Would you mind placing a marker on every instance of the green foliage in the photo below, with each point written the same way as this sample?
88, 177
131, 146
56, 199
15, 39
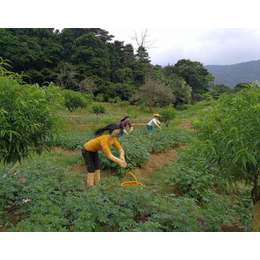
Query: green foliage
98, 109
139, 144
54, 95
142, 107
28, 119
222, 88
73, 100
212, 94
88, 97
184, 107
240, 86
194, 177
194, 74
99, 98
181, 90
111, 100
168, 114
57, 203
117, 99
124, 75
229, 134
154, 93
124, 103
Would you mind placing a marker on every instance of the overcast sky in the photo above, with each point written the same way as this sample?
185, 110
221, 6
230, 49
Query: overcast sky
209, 46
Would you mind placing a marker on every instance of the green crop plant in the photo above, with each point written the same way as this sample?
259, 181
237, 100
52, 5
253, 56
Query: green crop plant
229, 134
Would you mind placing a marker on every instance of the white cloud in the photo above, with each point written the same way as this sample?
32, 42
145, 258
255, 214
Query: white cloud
210, 46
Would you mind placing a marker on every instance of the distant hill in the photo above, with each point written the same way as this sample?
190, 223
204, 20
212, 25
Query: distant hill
230, 75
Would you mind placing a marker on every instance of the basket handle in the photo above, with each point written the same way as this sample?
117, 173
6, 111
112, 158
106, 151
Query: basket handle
131, 174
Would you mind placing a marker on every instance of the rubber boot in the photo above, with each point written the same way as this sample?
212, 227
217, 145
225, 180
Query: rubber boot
96, 176
90, 179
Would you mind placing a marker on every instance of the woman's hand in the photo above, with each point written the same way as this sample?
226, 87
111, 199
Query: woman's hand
122, 163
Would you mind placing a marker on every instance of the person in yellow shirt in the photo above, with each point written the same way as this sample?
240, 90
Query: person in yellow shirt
102, 142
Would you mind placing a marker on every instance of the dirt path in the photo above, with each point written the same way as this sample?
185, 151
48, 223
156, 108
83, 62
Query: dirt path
159, 160
185, 124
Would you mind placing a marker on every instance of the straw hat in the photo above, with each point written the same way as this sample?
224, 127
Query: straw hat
157, 115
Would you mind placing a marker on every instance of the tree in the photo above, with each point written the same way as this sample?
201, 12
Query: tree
36, 52
142, 55
67, 78
229, 132
240, 86
180, 89
73, 100
168, 114
87, 85
91, 56
195, 75
154, 93
222, 88
98, 109
28, 121
123, 91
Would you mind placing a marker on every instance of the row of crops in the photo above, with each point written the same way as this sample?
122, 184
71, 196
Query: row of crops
137, 146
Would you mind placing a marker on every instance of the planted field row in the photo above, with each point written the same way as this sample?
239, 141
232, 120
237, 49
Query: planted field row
138, 146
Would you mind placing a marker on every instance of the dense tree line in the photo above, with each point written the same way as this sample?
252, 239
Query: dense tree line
88, 60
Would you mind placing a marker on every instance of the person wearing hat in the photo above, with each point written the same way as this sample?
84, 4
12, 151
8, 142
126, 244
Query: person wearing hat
102, 142
153, 122
123, 123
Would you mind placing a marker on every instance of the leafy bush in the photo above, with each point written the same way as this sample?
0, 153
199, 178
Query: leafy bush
168, 114
212, 94
190, 178
98, 109
183, 107
99, 98
123, 103
54, 95
28, 119
142, 107
88, 97
73, 100
230, 139
111, 100
117, 99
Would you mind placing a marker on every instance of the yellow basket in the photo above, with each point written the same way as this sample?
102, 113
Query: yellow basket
131, 183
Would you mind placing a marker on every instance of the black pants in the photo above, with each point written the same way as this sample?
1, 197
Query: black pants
91, 160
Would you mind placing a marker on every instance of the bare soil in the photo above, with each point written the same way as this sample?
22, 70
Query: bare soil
185, 124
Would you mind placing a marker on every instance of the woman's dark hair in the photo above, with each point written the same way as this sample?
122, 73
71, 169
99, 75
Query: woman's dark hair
110, 128
125, 118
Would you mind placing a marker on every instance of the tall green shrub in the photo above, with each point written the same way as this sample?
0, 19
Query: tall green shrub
28, 120
168, 114
230, 138
74, 100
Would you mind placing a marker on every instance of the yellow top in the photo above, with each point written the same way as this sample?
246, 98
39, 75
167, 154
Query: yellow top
102, 143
